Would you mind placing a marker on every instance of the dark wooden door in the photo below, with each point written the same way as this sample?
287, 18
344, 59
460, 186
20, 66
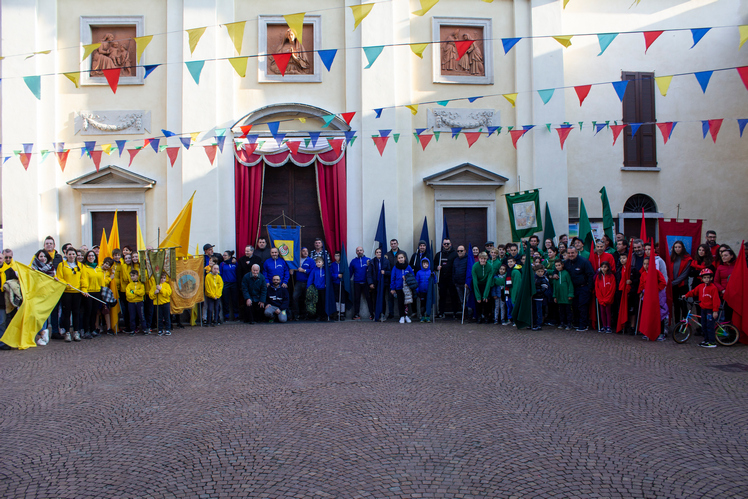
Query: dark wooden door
633, 226
467, 226
292, 189
126, 221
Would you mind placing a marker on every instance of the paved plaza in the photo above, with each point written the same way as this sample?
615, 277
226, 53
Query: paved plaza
373, 410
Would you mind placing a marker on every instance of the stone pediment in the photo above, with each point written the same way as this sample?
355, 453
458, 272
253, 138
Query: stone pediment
112, 177
465, 175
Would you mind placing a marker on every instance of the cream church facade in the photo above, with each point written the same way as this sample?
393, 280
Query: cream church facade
333, 187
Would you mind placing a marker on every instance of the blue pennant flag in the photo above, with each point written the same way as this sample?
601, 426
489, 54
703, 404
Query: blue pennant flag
492, 129
456, 131
120, 146
473, 99
546, 94
195, 68
445, 229
288, 241
186, 142
149, 69
252, 138
419, 131
154, 144
273, 127
527, 127
167, 133
705, 127
620, 88
509, 43
379, 112
598, 127
425, 237
349, 135
605, 39
741, 123
59, 147
27, 148
671, 130
327, 57
279, 138
88, 147
703, 78
698, 34
634, 128
220, 140
384, 133
314, 136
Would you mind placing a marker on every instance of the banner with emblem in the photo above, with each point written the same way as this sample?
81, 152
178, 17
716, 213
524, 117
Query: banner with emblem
187, 286
524, 213
288, 241
158, 261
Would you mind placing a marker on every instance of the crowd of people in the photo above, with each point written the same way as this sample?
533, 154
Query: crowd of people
572, 287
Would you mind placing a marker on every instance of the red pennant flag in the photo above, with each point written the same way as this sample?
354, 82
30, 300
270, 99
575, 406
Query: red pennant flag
133, 153
736, 295
146, 142
582, 92
293, 146
96, 157
714, 126
25, 158
62, 158
172, 152
643, 228
666, 129
462, 47
249, 149
348, 116
563, 133
424, 140
649, 38
336, 144
617, 129
281, 60
743, 72
245, 129
649, 321
471, 137
211, 152
516, 134
112, 77
381, 143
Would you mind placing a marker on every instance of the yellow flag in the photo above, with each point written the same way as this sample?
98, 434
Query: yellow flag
104, 251
360, 12
75, 77
114, 234
194, 135
40, 295
141, 242
303, 120
240, 65
413, 108
663, 83
141, 42
565, 3
179, 232
418, 48
87, 49
426, 6
236, 33
195, 34
512, 98
743, 30
564, 40
197, 249
107, 148
296, 23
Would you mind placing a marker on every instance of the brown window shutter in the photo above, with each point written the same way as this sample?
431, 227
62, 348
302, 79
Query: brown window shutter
638, 107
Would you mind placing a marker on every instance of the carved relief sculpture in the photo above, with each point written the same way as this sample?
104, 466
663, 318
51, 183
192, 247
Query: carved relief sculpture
471, 63
117, 50
282, 40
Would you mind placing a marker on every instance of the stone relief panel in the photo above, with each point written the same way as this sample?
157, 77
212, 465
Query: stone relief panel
117, 50
275, 37
443, 120
112, 122
475, 66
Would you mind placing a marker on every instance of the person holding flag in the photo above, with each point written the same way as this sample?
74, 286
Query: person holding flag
375, 277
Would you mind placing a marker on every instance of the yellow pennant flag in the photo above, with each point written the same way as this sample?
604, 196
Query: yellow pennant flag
296, 23
663, 83
141, 241
236, 33
194, 135
195, 34
178, 233
104, 251
512, 98
743, 30
566, 2
413, 108
360, 12
107, 148
426, 6
303, 120
75, 77
240, 65
87, 49
141, 42
114, 234
488, 1
564, 40
418, 48
40, 295
197, 248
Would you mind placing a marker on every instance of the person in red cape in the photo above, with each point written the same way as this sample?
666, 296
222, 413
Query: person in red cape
652, 314
736, 294
679, 269
599, 255
722, 275
605, 289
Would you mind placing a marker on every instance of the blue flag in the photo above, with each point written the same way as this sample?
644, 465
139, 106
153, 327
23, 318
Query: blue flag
288, 242
345, 270
425, 237
381, 290
381, 235
445, 230
469, 281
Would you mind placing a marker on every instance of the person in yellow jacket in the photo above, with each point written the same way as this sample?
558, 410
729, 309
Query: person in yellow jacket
161, 296
71, 273
105, 277
135, 292
91, 305
124, 280
213, 292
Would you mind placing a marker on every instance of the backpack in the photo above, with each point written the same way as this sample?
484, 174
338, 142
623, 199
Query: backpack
410, 280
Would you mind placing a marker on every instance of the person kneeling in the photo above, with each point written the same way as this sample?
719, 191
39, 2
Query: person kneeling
277, 301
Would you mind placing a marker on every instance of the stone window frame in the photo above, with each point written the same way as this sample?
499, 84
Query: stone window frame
262, 44
488, 58
85, 32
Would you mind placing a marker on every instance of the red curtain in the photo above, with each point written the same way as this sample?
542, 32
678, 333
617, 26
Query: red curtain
248, 182
331, 192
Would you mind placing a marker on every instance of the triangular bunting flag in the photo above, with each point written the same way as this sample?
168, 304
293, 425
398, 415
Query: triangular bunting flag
384, 133
473, 99
548, 126
327, 56
741, 124
563, 133
220, 141
665, 130
379, 113
25, 158
546, 95
75, 77
249, 149
426, 6
107, 148
605, 39
743, 73
154, 144
743, 30
327, 119
703, 78
350, 136
698, 34
663, 83
649, 38
436, 136
240, 65
512, 98
88, 146
620, 88
296, 23
172, 152
149, 69
88, 49
348, 117
455, 132
236, 33
59, 147
211, 152
442, 103
44, 153
396, 136
28, 148
132, 153
617, 129
245, 129
582, 92
185, 142
704, 128
112, 77
96, 157
509, 43
62, 158
195, 68
516, 134
35, 85
634, 128
252, 138
360, 12
167, 133
527, 128
491, 130
381, 143
424, 140
471, 137
278, 138
462, 47
293, 146
413, 109
372, 53
418, 48
419, 131
714, 126
281, 60
273, 127
564, 40
336, 144
194, 35
141, 42
565, 3
314, 136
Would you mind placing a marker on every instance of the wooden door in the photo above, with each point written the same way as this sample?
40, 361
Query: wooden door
632, 227
126, 221
467, 226
292, 189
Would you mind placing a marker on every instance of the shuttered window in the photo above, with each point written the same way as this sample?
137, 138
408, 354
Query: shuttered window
639, 107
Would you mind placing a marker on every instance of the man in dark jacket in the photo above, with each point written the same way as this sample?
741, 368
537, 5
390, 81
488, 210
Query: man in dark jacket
420, 254
378, 266
444, 261
262, 250
254, 291
276, 306
244, 267
357, 270
581, 273
459, 274
392, 257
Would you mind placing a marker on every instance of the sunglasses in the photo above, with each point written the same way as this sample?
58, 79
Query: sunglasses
8, 257
461, 251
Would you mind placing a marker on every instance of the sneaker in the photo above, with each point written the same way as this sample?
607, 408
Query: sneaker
110, 332
706, 344
356, 317
160, 333
76, 336
561, 326
644, 337
495, 323
402, 320
568, 328
582, 329
608, 330
167, 333
147, 332
536, 328
428, 319
661, 337
68, 337
95, 333
407, 319
87, 336
703, 343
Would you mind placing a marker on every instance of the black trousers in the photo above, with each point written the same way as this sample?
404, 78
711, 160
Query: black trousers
321, 314
361, 288
447, 290
254, 312
71, 304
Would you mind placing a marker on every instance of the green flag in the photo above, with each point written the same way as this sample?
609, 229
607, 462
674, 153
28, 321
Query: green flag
549, 232
522, 311
608, 222
585, 229
524, 214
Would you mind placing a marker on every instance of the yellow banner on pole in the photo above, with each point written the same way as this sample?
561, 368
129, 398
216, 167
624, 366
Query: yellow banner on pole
188, 286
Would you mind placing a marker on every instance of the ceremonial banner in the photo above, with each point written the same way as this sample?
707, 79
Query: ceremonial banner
187, 287
524, 213
288, 242
687, 231
157, 262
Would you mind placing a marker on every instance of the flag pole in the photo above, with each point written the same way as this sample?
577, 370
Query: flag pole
340, 299
464, 297
158, 243
73, 287
638, 313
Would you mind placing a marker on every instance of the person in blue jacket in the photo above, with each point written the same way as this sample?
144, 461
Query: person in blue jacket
301, 276
358, 273
275, 266
230, 296
337, 275
422, 277
378, 268
397, 281
317, 279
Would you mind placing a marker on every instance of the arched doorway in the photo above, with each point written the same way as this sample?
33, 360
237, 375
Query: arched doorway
631, 219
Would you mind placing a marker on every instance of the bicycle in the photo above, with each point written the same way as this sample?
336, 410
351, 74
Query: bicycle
725, 333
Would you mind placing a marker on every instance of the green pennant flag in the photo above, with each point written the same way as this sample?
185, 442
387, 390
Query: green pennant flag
522, 311
509, 128
524, 214
608, 222
436, 135
585, 228
549, 232
548, 126
306, 142
416, 136
396, 136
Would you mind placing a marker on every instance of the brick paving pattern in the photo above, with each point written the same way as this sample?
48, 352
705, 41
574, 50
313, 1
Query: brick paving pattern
367, 410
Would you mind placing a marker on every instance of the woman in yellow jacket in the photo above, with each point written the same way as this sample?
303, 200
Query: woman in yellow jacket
213, 292
71, 273
161, 296
92, 304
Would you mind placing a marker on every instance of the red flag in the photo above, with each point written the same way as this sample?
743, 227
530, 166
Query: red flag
381, 143
211, 152
617, 129
112, 77
96, 157
62, 158
25, 157
736, 295
293, 146
348, 116
643, 230
281, 60
424, 139
471, 138
336, 144
563, 133
714, 126
516, 134
462, 47
245, 129
649, 38
623, 307
743, 72
582, 91
666, 129
172, 152
649, 320
249, 149
132, 153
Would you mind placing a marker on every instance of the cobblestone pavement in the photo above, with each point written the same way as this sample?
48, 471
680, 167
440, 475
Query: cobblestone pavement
373, 410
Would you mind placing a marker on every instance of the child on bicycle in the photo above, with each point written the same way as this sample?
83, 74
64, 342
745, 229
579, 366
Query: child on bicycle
708, 296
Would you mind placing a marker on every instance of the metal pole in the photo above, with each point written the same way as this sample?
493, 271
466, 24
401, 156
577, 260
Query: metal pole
340, 299
158, 243
597, 312
464, 298
638, 314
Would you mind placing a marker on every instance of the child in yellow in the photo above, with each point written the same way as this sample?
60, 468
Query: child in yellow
161, 296
213, 292
71, 273
135, 292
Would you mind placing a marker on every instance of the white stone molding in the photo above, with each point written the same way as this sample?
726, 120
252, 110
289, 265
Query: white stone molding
485, 23
262, 61
133, 122
443, 120
86, 22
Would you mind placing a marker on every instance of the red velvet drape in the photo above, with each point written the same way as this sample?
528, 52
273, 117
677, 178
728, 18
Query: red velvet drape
331, 192
248, 183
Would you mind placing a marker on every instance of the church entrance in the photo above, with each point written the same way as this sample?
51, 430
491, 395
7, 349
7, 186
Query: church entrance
467, 226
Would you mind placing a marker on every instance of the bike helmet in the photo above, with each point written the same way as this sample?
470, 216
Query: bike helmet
706, 272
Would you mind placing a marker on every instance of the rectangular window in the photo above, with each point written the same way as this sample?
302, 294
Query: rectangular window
639, 107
